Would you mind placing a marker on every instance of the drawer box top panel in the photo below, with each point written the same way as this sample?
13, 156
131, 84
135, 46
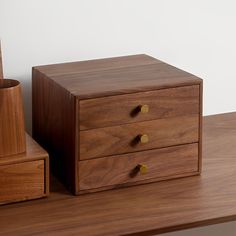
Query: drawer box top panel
96, 65
93, 79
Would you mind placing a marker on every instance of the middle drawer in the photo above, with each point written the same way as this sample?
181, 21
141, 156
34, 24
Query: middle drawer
138, 136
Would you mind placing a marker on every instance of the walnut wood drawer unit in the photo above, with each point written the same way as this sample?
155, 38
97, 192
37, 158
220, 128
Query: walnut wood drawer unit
118, 122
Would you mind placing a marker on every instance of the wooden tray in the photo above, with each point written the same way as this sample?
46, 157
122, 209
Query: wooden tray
25, 176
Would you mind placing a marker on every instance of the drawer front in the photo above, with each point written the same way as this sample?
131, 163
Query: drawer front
133, 137
155, 164
22, 181
122, 109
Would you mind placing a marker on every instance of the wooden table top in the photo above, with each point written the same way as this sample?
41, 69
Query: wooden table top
142, 210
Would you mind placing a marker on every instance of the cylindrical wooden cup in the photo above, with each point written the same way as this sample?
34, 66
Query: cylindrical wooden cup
12, 127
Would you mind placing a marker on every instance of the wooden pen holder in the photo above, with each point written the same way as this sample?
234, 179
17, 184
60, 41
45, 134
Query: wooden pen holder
12, 127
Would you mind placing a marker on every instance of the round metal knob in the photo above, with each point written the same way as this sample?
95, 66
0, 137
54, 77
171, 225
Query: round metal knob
144, 138
143, 169
144, 108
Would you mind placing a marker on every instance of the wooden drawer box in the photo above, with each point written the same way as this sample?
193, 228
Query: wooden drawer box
103, 120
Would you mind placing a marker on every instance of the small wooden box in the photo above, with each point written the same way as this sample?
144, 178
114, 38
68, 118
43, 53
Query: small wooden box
118, 122
24, 176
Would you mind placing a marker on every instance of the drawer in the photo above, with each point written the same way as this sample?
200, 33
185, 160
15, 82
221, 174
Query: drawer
133, 137
155, 164
130, 108
22, 181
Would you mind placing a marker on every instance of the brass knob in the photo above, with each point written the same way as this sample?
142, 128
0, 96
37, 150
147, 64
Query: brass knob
144, 108
144, 138
143, 169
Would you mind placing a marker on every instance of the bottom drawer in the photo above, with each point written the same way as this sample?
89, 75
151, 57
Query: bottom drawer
158, 164
22, 181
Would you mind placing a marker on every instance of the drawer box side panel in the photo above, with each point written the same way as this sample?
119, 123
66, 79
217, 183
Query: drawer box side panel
54, 126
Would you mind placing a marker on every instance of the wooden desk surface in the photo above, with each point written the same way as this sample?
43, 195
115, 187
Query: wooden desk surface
142, 210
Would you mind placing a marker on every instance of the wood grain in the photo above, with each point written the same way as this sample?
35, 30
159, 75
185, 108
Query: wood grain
1, 67
114, 76
124, 138
125, 80
116, 110
96, 65
162, 164
24, 176
22, 181
147, 209
54, 126
12, 126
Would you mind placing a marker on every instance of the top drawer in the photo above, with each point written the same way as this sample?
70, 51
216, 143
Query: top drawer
122, 109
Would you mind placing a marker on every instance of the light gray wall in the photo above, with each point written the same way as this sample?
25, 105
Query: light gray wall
198, 36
